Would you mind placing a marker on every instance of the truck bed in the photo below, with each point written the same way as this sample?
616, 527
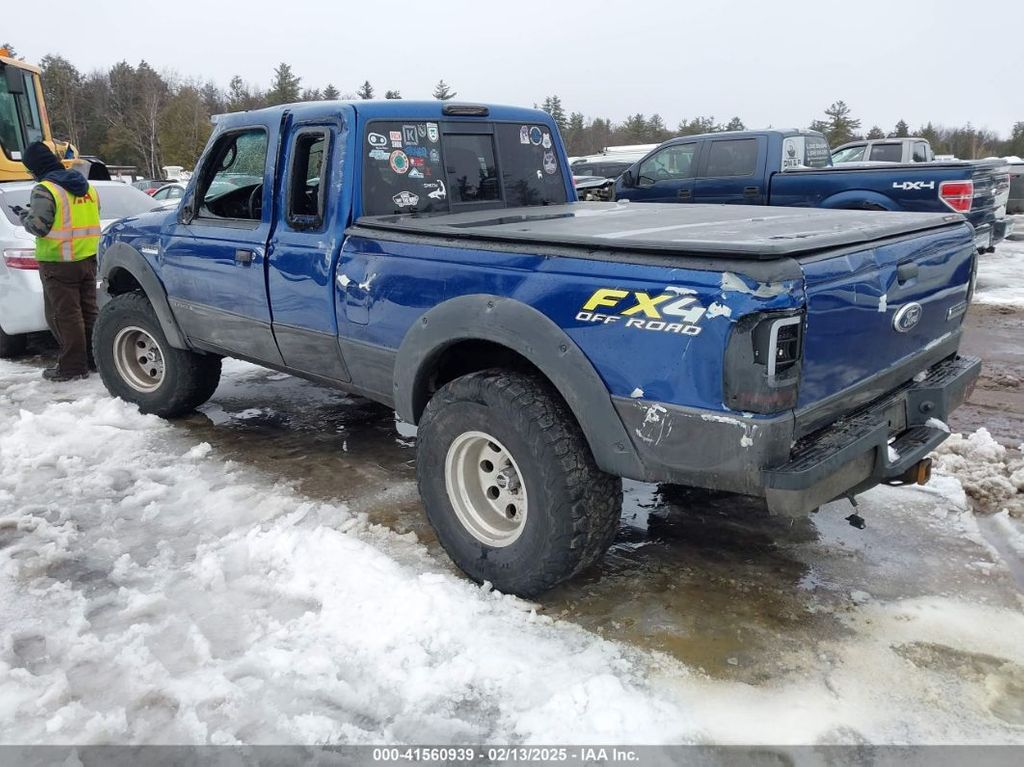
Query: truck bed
725, 231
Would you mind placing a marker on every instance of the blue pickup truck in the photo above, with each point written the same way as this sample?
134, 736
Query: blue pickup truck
793, 168
432, 257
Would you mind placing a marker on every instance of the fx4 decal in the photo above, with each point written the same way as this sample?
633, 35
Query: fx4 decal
910, 186
674, 310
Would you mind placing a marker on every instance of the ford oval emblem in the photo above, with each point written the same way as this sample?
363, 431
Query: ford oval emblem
907, 317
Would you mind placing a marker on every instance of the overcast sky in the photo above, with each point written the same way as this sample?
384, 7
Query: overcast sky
778, 62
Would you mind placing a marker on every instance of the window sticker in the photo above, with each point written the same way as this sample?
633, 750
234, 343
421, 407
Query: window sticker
406, 199
399, 162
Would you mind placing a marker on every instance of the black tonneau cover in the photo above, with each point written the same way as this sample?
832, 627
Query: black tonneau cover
733, 231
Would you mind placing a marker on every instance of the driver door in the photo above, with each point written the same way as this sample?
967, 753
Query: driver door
214, 255
667, 175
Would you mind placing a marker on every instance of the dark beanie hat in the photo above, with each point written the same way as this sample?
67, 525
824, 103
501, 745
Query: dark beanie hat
40, 160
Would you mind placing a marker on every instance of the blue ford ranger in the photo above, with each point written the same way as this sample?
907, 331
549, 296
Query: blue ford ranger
432, 257
794, 168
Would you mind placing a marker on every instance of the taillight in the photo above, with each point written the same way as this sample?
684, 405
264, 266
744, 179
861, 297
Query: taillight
762, 363
21, 258
957, 194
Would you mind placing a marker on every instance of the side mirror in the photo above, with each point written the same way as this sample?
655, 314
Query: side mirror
628, 179
185, 212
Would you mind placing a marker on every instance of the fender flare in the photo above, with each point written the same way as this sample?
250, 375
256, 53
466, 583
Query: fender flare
859, 199
121, 255
533, 335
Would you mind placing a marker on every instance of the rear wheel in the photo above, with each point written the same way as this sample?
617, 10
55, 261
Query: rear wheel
138, 365
12, 345
509, 483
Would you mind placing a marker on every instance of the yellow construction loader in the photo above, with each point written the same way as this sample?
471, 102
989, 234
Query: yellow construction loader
23, 120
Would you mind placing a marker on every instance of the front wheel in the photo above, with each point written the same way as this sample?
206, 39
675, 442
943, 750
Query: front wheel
510, 485
138, 365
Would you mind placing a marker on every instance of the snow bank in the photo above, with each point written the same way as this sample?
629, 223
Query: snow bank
151, 592
1001, 276
989, 475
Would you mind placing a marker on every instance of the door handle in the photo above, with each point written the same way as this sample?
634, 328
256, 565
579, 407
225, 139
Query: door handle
243, 257
751, 191
906, 272
684, 194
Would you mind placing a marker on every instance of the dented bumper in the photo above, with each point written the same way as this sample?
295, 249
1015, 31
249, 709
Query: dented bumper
881, 442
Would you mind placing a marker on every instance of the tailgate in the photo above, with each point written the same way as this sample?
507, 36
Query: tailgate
877, 316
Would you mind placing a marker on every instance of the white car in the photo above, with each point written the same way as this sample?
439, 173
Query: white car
21, 292
169, 193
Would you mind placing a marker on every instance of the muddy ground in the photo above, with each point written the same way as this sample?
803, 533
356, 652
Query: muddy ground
708, 579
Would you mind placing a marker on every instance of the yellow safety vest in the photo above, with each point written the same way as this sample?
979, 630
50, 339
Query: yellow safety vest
75, 234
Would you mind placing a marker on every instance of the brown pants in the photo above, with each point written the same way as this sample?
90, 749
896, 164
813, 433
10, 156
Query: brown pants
69, 300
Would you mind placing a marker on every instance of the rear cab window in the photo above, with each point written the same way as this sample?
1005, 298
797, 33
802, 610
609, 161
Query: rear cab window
887, 152
811, 152
440, 167
731, 157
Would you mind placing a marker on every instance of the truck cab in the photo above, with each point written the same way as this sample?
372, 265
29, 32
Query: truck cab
911, 149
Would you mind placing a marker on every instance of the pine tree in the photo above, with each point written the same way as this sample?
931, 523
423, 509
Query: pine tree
11, 52
634, 129
392, 95
443, 92
1015, 146
330, 93
735, 124
573, 135
875, 132
697, 125
553, 106
365, 90
839, 127
656, 130
902, 130
285, 87
311, 94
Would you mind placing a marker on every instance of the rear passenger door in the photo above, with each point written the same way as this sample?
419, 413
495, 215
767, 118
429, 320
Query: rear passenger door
302, 252
732, 170
667, 175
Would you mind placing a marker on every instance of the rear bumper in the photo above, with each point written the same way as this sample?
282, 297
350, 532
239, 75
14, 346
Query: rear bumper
881, 443
757, 456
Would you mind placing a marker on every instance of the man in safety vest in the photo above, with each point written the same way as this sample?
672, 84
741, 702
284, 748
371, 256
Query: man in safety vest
64, 215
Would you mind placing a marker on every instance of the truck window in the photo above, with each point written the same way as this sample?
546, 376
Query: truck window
529, 169
427, 167
670, 164
470, 168
849, 154
920, 152
732, 158
891, 152
305, 203
20, 121
231, 181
